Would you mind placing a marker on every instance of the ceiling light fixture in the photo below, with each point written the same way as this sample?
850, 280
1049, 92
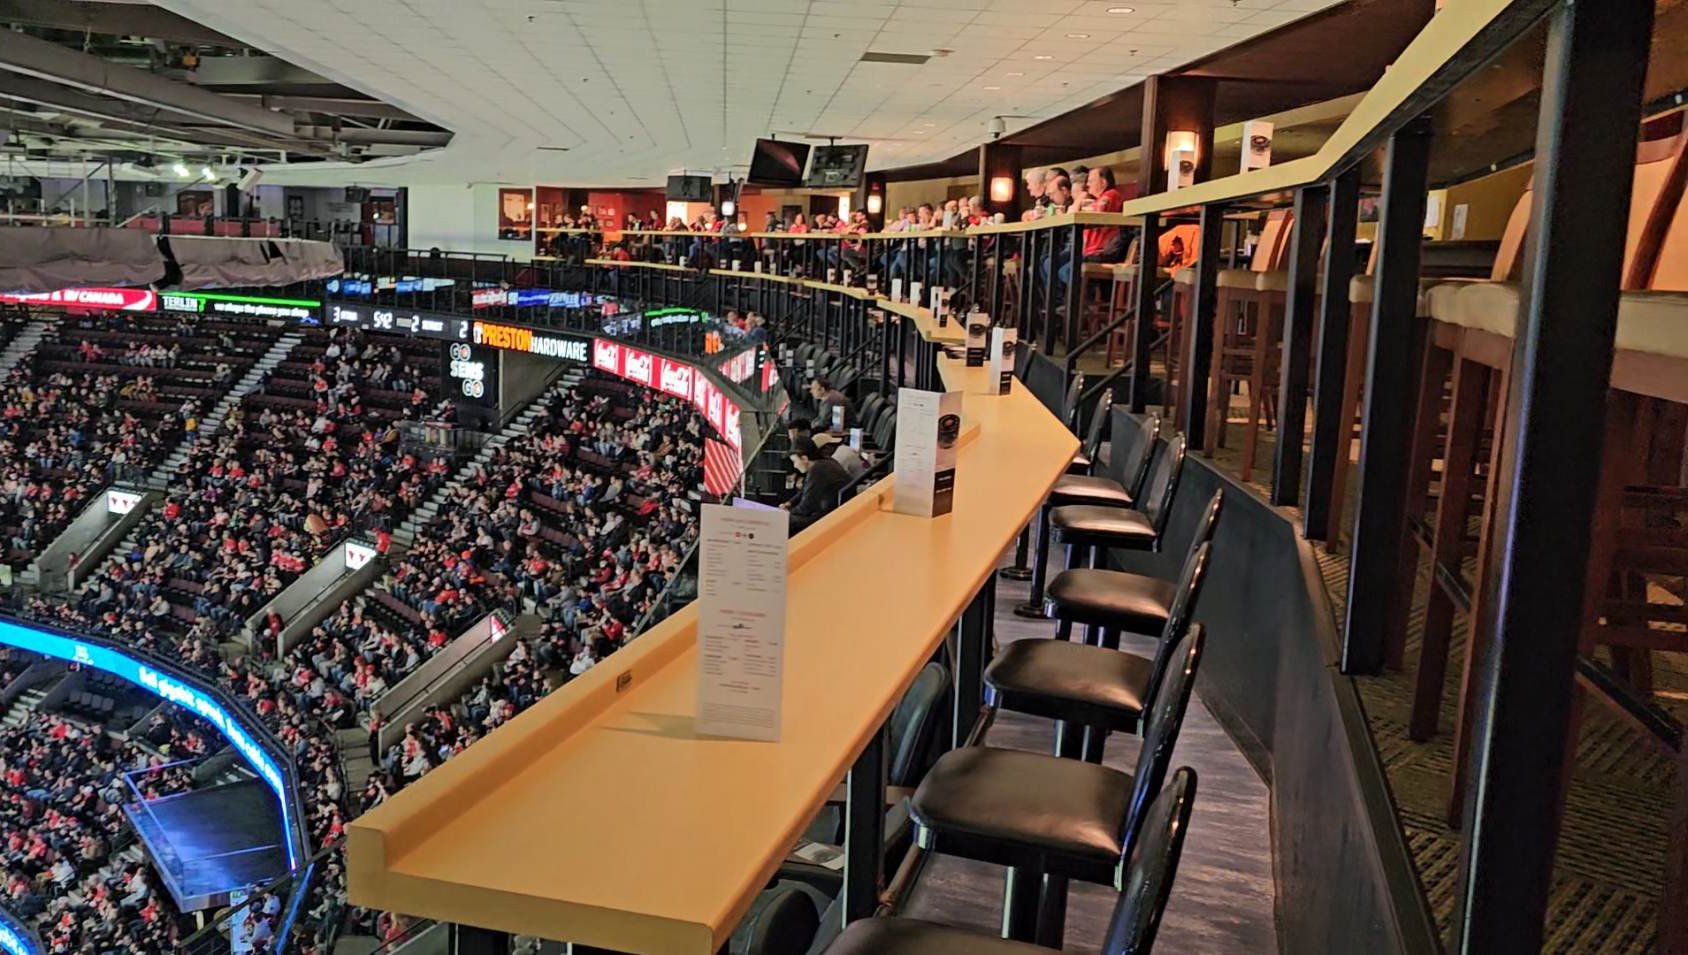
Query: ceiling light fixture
1078, 36
181, 169
989, 89
1122, 9
208, 174
1043, 56
1015, 73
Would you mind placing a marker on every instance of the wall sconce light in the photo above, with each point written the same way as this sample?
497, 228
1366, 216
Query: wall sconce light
875, 202
1182, 140
1002, 188
728, 208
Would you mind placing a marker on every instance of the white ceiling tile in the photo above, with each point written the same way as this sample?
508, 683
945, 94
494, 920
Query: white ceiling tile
635, 87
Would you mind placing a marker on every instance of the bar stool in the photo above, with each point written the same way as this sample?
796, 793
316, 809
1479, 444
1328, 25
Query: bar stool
1043, 815
1271, 290
1147, 876
1091, 691
1114, 602
1085, 528
1091, 490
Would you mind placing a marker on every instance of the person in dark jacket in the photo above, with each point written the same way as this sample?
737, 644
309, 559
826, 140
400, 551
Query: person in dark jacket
823, 478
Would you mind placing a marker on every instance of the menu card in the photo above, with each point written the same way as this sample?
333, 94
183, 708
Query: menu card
928, 426
741, 622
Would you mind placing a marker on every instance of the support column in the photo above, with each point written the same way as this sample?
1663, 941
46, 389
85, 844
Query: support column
1335, 315
864, 830
998, 160
1386, 439
1550, 464
1148, 275
1310, 203
1198, 329
1175, 103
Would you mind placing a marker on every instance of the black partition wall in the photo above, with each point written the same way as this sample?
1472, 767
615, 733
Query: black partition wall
1345, 881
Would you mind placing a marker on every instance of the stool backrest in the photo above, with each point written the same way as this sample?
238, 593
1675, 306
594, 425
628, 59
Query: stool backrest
1190, 581
1161, 724
1134, 462
1163, 483
1151, 867
1274, 241
1069, 402
1093, 434
913, 726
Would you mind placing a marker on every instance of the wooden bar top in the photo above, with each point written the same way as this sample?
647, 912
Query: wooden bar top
598, 816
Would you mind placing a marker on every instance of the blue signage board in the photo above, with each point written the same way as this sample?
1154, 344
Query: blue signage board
194, 699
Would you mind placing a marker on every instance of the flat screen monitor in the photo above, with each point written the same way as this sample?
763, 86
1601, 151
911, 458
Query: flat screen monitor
690, 189
837, 167
776, 163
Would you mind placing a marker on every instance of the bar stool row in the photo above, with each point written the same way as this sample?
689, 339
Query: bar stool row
1050, 819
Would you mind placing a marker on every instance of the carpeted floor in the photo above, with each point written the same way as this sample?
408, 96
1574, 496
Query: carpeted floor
1611, 859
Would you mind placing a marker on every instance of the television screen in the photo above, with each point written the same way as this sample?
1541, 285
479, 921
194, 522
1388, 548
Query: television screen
778, 164
690, 189
837, 167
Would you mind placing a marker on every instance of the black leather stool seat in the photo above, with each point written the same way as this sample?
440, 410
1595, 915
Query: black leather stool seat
1113, 526
1086, 489
1080, 464
1132, 603
915, 937
1026, 810
1058, 680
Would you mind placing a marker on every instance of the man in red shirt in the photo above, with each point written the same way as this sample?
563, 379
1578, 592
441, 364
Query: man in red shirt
1102, 243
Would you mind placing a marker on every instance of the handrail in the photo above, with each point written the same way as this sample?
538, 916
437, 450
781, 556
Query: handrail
1102, 333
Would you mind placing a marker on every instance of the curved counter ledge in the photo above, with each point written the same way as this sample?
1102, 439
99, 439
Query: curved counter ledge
599, 817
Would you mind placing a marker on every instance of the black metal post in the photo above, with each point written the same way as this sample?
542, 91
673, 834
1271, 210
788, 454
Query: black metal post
1298, 341
1342, 216
1075, 285
973, 637
1198, 328
1550, 463
1020, 570
999, 275
1391, 398
469, 940
1046, 271
1028, 252
864, 830
1148, 275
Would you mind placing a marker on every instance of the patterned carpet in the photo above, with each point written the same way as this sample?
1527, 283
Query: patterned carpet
1610, 865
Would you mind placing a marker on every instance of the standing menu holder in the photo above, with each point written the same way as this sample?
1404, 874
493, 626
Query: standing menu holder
1003, 343
896, 290
978, 338
928, 426
741, 621
940, 305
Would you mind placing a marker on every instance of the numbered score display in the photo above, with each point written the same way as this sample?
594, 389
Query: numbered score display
472, 373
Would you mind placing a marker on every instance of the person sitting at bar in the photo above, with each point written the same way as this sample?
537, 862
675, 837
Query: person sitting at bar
823, 478
827, 398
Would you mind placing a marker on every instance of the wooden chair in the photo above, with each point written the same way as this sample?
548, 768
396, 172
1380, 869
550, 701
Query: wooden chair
1243, 332
1474, 323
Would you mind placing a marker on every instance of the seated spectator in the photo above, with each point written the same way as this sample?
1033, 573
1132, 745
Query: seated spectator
823, 478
